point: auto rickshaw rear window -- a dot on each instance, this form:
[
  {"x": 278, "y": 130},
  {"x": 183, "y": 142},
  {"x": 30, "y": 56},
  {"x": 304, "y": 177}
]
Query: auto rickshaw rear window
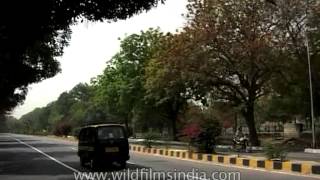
[{"x": 111, "y": 132}]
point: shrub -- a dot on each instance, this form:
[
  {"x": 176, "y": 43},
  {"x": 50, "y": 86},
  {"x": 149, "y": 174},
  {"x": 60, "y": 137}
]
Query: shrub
[
  {"x": 62, "y": 129},
  {"x": 75, "y": 132},
  {"x": 206, "y": 140},
  {"x": 276, "y": 151},
  {"x": 202, "y": 135},
  {"x": 191, "y": 131}
]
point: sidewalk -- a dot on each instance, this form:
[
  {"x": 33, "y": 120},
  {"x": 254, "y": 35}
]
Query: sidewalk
[
  {"x": 225, "y": 150},
  {"x": 302, "y": 156},
  {"x": 297, "y": 167}
]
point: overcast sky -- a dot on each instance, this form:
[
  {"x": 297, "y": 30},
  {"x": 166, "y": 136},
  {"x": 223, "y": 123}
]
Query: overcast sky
[{"x": 92, "y": 45}]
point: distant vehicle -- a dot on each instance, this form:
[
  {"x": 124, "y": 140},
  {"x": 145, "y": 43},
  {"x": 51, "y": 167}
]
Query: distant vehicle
[{"x": 103, "y": 144}]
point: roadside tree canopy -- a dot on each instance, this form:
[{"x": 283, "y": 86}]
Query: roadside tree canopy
[{"x": 33, "y": 33}]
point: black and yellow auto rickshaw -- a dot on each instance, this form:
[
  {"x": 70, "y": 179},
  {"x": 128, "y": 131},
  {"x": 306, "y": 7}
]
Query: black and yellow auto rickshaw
[{"x": 103, "y": 144}]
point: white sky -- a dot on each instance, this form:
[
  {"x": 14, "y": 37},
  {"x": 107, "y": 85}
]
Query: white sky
[{"x": 92, "y": 45}]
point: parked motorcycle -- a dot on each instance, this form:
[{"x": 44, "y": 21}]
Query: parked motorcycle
[{"x": 241, "y": 143}]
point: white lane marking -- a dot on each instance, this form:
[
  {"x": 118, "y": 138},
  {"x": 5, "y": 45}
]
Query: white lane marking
[
  {"x": 73, "y": 169},
  {"x": 52, "y": 158},
  {"x": 74, "y": 148},
  {"x": 128, "y": 162},
  {"x": 48, "y": 156}
]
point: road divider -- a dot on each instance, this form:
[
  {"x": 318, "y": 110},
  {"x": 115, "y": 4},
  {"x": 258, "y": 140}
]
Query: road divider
[{"x": 296, "y": 167}]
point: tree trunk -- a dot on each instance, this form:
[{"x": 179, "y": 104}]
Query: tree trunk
[
  {"x": 126, "y": 124},
  {"x": 174, "y": 128},
  {"x": 174, "y": 111},
  {"x": 173, "y": 123},
  {"x": 235, "y": 123},
  {"x": 3, "y": 125},
  {"x": 248, "y": 114}
]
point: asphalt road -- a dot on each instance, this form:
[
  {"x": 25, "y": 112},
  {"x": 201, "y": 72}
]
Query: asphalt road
[{"x": 39, "y": 158}]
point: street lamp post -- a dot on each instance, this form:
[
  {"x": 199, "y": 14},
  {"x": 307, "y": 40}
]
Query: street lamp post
[
  {"x": 310, "y": 74},
  {"x": 311, "y": 95},
  {"x": 310, "y": 82}
]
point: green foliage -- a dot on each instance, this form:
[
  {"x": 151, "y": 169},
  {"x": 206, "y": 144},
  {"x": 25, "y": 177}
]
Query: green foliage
[
  {"x": 75, "y": 132},
  {"x": 46, "y": 31},
  {"x": 164, "y": 87},
  {"x": 291, "y": 92},
  {"x": 276, "y": 151},
  {"x": 209, "y": 131},
  {"x": 62, "y": 129},
  {"x": 74, "y": 107},
  {"x": 121, "y": 87},
  {"x": 36, "y": 121},
  {"x": 236, "y": 61},
  {"x": 255, "y": 58},
  {"x": 201, "y": 128},
  {"x": 14, "y": 125},
  {"x": 117, "y": 96}
]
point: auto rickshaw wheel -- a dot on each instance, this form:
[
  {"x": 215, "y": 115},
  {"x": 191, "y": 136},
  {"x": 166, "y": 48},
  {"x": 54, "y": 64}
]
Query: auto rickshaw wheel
[
  {"x": 123, "y": 164},
  {"x": 94, "y": 164},
  {"x": 82, "y": 161}
]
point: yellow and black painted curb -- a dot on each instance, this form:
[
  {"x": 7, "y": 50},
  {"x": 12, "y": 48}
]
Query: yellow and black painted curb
[{"x": 302, "y": 167}]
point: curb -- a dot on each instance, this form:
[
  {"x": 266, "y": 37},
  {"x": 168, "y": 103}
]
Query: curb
[{"x": 301, "y": 167}]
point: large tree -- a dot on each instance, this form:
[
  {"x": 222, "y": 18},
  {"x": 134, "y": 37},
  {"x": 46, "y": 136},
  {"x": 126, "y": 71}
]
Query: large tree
[
  {"x": 33, "y": 33},
  {"x": 121, "y": 87},
  {"x": 164, "y": 87},
  {"x": 75, "y": 108},
  {"x": 301, "y": 22},
  {"x": 229, "y": 51}
]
